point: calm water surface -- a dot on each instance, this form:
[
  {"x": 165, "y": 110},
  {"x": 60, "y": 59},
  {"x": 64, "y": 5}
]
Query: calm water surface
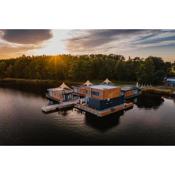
[{"x": 150, "y": 122}]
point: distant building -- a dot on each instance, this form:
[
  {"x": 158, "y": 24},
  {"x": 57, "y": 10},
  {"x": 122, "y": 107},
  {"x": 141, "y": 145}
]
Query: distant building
[{"x": 170, "y": 82}]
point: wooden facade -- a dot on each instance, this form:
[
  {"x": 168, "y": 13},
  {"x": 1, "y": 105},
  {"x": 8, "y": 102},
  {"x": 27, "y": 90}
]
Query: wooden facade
[{"x": 103, "y": 92}]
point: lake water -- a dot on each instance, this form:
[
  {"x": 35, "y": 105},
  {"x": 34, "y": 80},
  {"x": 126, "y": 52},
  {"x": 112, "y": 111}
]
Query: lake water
[{"x": 150, "y": 122}]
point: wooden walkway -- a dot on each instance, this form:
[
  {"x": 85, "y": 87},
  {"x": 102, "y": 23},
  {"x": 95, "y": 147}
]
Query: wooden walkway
[{"x": 59, "y": 106}]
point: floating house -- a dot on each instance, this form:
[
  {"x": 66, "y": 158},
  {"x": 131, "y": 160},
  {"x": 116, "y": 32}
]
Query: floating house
[
  {"x": 103, "y": 100},
  {"x": 170, "y": 82},
  {"x": 130, "y": 91},
  {"x": 60, "y": 94},
  {"x": 103, "y": 91},
  {"x": 100, "y": 100},
  {"x": 81, "y": 90},
  {"x": 104, "y": 96}
]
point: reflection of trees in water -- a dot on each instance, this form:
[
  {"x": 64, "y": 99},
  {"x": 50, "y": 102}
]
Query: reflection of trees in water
[
  {"x": 33, "y": 86},
  {"x": 35, "y": 89},
  {"x": 149, "y": 101},
  {"x": 103, "y": 124}
]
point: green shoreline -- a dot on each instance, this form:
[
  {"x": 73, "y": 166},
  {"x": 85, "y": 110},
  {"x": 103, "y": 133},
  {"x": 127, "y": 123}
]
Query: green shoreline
[
  {"x": 41, "y": 85},
  {"x": 160, "y": 90},
  {"x": 54, "y": 83}
]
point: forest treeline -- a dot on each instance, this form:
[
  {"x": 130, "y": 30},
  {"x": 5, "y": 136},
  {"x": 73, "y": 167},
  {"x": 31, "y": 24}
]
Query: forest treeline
[{"x": 151, "y": 70}]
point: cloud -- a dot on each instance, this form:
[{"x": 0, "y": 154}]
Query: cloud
[
  {"x": 99, "y": 40},
  {"x": 23, "y": 36},
  {"x": 92, "y": 38},
  {"x": 127, "y": 42},
  {"x": 115, "y": 41},
  {"x": 14, "y": 43},
  {"x": 12, "y": 51}
]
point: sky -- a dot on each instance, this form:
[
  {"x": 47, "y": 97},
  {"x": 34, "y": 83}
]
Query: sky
[{"x": 126, "y": 42}]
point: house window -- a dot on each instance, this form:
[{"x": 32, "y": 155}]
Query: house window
[{"x": 95, "y": 93}]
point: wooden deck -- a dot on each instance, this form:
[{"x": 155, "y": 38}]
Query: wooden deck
[
  {"x": 102, "y": 113},
  {"x": 59, "y": 106}
]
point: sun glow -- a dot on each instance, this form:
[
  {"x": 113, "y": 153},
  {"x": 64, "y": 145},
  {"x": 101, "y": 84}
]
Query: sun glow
[{"x": 56, "y": 45}]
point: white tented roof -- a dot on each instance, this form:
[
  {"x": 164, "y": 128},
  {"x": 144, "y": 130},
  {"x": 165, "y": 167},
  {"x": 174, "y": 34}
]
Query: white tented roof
[
  {"x": 107, "y": 81},
  {"x": 87, "y": 83},
  {"x": 64, "y": 86}
]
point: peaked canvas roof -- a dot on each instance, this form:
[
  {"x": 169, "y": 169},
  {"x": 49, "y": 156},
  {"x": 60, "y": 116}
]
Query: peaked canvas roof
[
  {"x": 107, "y": 81},
  {"x": 64, "y": 86},
  {"x": 87, "y": 83}
]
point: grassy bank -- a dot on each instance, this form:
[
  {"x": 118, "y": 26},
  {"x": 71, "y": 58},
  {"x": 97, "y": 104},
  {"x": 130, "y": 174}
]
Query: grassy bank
[
  {"x": 34, "y": 82},
  {"x": 160, "y": 90},
  {"x": 36, "y": 85},
  {"x": 52, "y": 83},
  {"x": 33, "y": 85}
]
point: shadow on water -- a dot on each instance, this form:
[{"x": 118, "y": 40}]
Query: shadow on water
[
  {"x": 105, "y": 123},
  {"x": 149, "y": 101},
  {"x": 65, "y": 112}
]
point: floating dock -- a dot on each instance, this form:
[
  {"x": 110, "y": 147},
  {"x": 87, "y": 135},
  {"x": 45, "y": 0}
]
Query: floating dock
[
  {"x": 100, "y": 100},
  {"x": 63, "y": 105},
  {"x": 105, "y": 112}
]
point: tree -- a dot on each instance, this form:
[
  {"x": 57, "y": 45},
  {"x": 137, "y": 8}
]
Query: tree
[
  {"x": 146, "y": 72},
  {"x": 81, "y": 67}
]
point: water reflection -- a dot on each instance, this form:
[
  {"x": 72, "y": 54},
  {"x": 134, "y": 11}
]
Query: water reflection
[
  {"x": 149, "y": 101},
  {"x": 105, "y": 123},
  {"x": 65, "y": 112},
  {"x": 23, "y": 123}
]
